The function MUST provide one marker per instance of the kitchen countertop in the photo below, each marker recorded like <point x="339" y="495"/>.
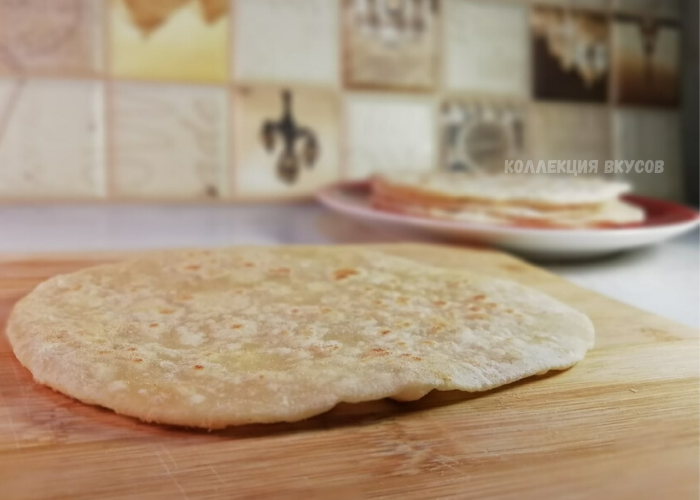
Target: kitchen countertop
<point x="662" y="279"/>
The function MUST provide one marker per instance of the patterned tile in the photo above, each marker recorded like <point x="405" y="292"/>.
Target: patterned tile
<point x="656" y="8"/>
<point x="287" y="140"/>
<point x="571" y="132"/>
<point x="51" y="139"/>
<point x="651" y="135"/>
<point x="169" y="39"/>
<point x="479" y="134"/>
<point x="387" y="134"/>
<point x="570" y="54"/>
<point x="169" y="141"/>
<point x="646" y="63"/>
<point x="486" y="47"/>
<point x="576" y="4"/>
<point x="286" y="41"/>
<point x="391" y="44"/>
<point x="50" y="37"/>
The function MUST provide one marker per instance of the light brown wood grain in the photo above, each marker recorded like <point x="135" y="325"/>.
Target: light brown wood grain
<point x="622" y="424"/>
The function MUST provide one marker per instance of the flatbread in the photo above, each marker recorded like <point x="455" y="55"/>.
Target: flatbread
<point x="610" y="214"/>
<point x="452" y="190"/>
<point x="245" y="335"/>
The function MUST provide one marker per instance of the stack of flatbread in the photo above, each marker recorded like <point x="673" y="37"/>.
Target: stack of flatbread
<point x="224" y="337"/>
<point x="530" y="201"/>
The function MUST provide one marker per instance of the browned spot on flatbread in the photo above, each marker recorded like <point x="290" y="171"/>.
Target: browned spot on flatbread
<point x="438" y="324"/>
<point x="516" y="268"/>
<point x="341" y="274"/>
<point x="280" y="271"/>
<point x="193" y="267"/>
<point x="377" y="351"/>
<point x="198" y="367"/>
<point x="411" y="357"/>
<point x="166" y="310"/>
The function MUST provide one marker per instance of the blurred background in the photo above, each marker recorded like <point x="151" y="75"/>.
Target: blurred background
<point x="224" y="100"/>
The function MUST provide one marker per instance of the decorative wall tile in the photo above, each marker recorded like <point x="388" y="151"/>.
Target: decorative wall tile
<point x="374" y="85"/>
<point x="169" y="39"/>
<point x="646" y="59"/>
<point x="390" y="44"/>
<point x="287" y="140"/>
<point x="651" y="135"/>
<point x="169" y="141"/>
<point x="480" y="134"/>
<point x="486" y="47"/>
<point x="571" y="132"/>
<point x="576" y="4"/>
<point x="655" y="8"/>
<point x="570" y="54"/>
<point x="387" y="134"/>
<point x="51" y="139"/>
<point x="50" y="37"/>
<point x="286" y="41"/>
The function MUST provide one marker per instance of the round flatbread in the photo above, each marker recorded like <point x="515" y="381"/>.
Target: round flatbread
<point x="217" y="338"/>
<point x="610" y="214"/>
<point x="452" y="190"/>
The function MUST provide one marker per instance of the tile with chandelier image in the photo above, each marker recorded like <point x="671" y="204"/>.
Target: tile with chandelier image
<point x="389" y="133"/>
<point x="570" y="54"/>
<point x="650" y="134"/>
<point x="486" y="47"/>
<point x="480" y="134"/>
<point x="169" y="141"/>
<point x="182" y="40"/>
<point x="287" y="140"/>
<point x="390" y="44"/>
<point x="50" y="139"/>
<point x="283" y="41"/>
<point x="646" y="58"/>
<point x="57" y="38"/>
<point x="570" y="132"/>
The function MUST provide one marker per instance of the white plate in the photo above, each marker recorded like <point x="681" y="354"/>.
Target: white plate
<point x="664" y="220"/>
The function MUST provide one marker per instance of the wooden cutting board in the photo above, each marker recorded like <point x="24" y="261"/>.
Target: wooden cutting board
<point x="622" y="424"/>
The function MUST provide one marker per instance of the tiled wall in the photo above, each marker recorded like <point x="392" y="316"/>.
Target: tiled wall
<point x="186" y="99"/>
